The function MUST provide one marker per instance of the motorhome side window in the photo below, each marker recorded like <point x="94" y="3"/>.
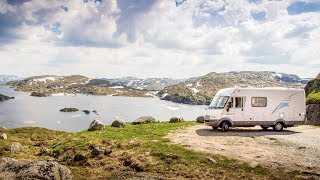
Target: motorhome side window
<point x="239" y="102"/>
<point x="259" y="102"/>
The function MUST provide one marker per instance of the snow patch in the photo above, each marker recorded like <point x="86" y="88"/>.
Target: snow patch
<point x="198" y="84"/>
<point x="164" y="95"/>
<point x="195" y="90"/>
<point x="117" y="87"/>
<point x="189" y="85"/>
<point x="45" y="79"/>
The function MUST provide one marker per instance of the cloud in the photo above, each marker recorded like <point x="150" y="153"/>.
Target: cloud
<point x="157" y="38"/>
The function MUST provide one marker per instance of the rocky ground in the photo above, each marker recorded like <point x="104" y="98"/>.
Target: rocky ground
<point x="202" y="89"/>
<point x="47" y="85"/>
<point x="295" y="148"/>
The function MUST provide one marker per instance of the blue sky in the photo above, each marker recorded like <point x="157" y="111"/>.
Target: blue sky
<point x="158" y="38"/>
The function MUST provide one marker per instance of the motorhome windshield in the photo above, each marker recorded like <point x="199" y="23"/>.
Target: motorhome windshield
<point x="218" y="102"/>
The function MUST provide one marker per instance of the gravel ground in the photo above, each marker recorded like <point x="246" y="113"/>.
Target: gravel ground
<point x="296" y="148"/>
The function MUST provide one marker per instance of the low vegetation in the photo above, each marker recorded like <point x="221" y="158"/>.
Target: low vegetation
<point x="314" y="96"/>
<point x="133" y="151"/>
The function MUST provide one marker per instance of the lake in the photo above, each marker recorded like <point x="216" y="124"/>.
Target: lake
<point x="26" y="110"/>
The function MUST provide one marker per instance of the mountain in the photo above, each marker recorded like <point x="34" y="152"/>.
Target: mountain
<point x="6" y="78"/>
<point x="48" y="84"/>
<point x="152" y="84"/>
<point x="202" y="89"/>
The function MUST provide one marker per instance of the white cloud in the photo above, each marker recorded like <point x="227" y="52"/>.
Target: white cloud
<point x="160" y="39"/>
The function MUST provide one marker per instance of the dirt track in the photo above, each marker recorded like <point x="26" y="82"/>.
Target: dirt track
<point x="296" y="148"/>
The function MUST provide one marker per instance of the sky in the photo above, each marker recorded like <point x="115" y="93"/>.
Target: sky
<point x="158" y="38"/>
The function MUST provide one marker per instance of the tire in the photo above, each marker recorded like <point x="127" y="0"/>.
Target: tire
<point x="224" y="126"/>
<point x="278" y="126"/>
<point x="265" y="127"/>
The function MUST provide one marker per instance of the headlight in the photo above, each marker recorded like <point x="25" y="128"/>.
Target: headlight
<point x="208" y="117"/>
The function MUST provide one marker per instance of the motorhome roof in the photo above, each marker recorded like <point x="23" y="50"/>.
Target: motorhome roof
<point x="229" y="91"/>
<point x="268" y="88"/>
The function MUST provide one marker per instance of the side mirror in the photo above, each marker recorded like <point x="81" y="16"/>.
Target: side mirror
<point x="228" y="106"/>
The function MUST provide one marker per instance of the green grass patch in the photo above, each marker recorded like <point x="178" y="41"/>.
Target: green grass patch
<point x="314" y="97"/>
<point x="135" y="148"/>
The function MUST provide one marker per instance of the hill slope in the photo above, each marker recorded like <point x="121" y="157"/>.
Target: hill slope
<point x="49" y="84"/>
<point x="152" y="84"/>
<point x="202" y="89"/>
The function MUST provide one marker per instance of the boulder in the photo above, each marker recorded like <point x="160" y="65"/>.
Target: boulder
<point x="144" y="120"/>
<point x="13" y="169"/>
<point x="5" y="98"/>
<point x="118" y="123"/>
<point x="69" y="110"/>
<point x="38" y="94"/>
<point x="96" y="125"/>
<point x="86" y="111"/>
<point x="200" y="119"/>
<point x="176" y="120"/>
<point x="3" y="136"/>
<point x="313" y="114"/>
<point x="15" y="147"/>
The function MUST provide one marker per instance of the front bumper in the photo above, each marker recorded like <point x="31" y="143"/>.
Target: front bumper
<point x="212" y="122"/>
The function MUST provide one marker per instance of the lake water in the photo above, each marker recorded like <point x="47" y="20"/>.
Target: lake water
<point x="26" y="110"/>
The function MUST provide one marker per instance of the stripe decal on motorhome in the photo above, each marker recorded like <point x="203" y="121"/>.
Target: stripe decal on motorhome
<point x="284" y="103"/>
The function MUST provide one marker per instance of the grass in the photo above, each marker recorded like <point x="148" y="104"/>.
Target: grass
<point x="136" y="149"/>
<point x="314" y="97"/>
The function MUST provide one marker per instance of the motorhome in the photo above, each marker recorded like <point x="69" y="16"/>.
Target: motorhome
<point x="247" y="107"/>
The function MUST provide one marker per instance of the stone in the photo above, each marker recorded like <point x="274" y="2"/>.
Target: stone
<point x="86" y="111"/>
<point x="15" y="147"/>
<point x="213" y="161"/>
<point x="38" y="94"/>
<point x="144" y="120"/>
<point x="69" y="110"/>
<point x="14" y="169"/>
<point x="79" y="157"/>
<point x="200" y="119"/>
<point x="100" y="150"/>
<point x="154" y="141"/>
<point x="118" y="123"/>
<point x="3" y="136"/>
<point x="253" y="164"/>
<point x="96" y="125"/>
<point x="176" y="120"/>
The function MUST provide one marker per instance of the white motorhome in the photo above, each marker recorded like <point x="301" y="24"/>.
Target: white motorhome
<point x="247" y="107"/>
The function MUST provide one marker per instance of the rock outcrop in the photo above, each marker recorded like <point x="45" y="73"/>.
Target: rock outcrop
<point x="144" y="120"/>
<point x="14" y="169"/>
<point x="39" y="94"/>
<point x="313" y="101"/>
<point x="176" y="120"/>
<point x="96" y="125"/>
<point x="69" y="110"/>
<point x="5" y="98"/>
